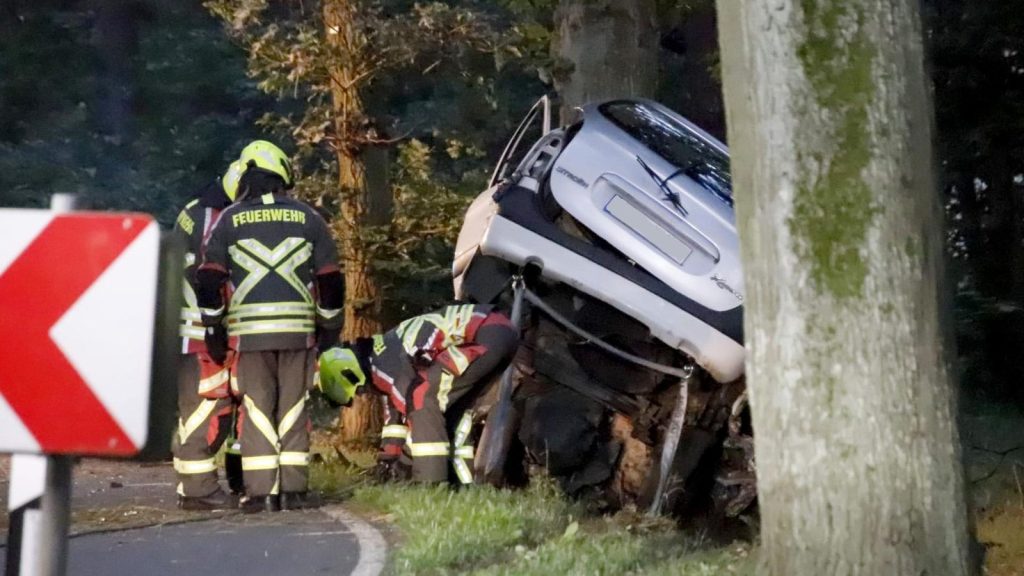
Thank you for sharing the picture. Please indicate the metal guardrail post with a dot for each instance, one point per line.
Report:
(25, 493)
(55, 521)
(56, 517)
(670, 445)
(498, 429)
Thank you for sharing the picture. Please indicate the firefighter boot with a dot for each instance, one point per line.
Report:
(299, 501)
(257, 504)
(217, 500)
(233, 471)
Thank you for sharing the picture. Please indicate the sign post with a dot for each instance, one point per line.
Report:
(25, 496)
(78, 292)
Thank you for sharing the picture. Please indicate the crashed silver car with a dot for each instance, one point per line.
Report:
(622, 226)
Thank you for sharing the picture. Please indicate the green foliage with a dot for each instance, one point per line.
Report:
(441, 90)
(338, 470)
(445, 530)
(533, 28)
(617, 551)
(39, 103)
(190, 102)
(293, 60)
(482, 530)
(415, 262)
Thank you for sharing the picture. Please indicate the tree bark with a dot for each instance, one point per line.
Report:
(604, 49)
(362, 294)
(829, 121)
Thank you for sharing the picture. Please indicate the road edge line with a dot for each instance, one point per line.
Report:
(372, 546)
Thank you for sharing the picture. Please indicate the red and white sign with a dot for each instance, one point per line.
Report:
(77, 312)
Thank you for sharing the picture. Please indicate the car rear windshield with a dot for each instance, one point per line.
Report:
(676, 143)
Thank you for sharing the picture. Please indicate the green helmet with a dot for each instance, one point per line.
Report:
(340, 375)
(231, 177)
(266, 156)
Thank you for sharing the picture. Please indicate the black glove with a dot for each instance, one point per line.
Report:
(382, 471)
(423, 359)
(326, 338)
(216, 338)
(331, 403)
(392, 470)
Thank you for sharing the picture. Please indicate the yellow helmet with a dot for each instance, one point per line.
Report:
(231, 177)
(340, 375)
(266, 156)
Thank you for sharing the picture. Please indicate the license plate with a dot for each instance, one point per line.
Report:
(656, 234)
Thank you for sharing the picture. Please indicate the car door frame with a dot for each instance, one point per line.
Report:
(541, 109)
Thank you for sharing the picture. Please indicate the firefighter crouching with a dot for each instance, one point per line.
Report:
(427, 368)
(207, 408)
(280, 263)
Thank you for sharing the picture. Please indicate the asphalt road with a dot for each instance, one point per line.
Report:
(288, 543)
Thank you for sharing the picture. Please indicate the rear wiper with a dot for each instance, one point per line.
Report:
(671, 196)
(707, 180)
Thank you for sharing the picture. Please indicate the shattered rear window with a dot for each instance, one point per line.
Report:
(675, 142)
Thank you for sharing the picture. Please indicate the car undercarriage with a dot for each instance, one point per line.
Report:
(618, 231)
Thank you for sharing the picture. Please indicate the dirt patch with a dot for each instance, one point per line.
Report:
(119, 494)
(1002, 533)
(637, 458)
(114, 495)
(994, 445)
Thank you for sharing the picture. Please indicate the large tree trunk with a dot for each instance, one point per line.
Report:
(858, 455)
(604, 49)
(362, 296)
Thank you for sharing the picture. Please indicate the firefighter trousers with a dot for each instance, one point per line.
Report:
(275, 434)
(430, 420)
(203, 425)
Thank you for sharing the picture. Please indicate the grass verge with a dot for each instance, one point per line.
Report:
(485, 531)
(337, 469)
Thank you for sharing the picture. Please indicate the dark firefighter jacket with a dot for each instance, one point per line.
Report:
(193, 225)
(282, 267)
(446, 336)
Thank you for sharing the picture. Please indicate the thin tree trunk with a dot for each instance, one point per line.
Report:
(116, 36)
(829, 121)
(9, 13)
(604, 49)
(696, 90)
(362, 297)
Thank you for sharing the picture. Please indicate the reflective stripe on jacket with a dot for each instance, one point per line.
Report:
(194, 223)
(445, 336)
(272, 248)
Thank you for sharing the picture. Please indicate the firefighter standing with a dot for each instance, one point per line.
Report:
(279, 260)
(205, 405)
(424, 367)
